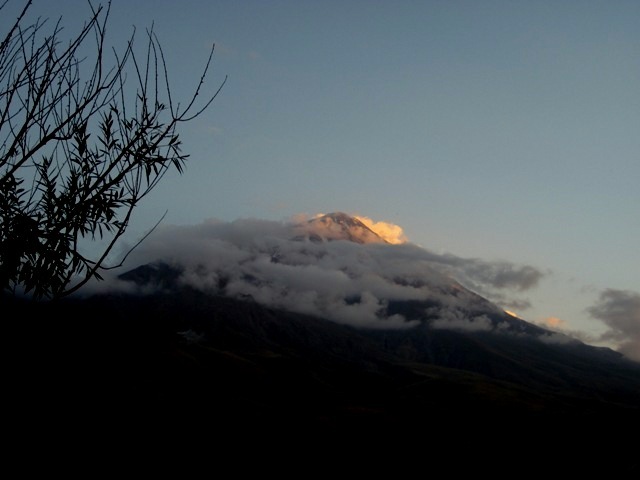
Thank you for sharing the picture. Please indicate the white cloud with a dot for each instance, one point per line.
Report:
(387, 231)
(340, 280)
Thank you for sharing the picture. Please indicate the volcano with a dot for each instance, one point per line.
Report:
(338, 226)
(316, 331)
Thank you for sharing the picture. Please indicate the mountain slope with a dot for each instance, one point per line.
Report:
(184, 363)
(515, 351)
(436, 368)
(188, 329)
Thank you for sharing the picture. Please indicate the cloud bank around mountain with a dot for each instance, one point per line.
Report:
(343, 281)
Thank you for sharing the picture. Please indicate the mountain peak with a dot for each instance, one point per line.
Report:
(338, 226)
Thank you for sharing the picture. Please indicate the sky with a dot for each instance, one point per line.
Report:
(495, 132)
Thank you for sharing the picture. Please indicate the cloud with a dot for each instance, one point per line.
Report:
(453, 319)
(553, 323)
(460, 321)
(343, 281)
(556, 338)
(560, 331)
(620, 311)
(500, 281)
(387, 231)
(497, 274)
(509, 302)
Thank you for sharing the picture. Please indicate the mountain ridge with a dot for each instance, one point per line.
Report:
(338, 226)
(423, 343)
(172, 356)
(175, 364)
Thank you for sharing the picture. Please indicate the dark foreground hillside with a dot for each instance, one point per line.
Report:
(185, 366)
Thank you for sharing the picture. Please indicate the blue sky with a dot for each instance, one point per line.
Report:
(498, 130)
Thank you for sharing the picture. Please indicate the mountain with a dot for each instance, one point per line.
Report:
(437, 370)
(339, 226)
(501, 347)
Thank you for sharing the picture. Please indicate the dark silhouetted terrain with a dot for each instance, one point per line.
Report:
(186, 362)
(234, 377)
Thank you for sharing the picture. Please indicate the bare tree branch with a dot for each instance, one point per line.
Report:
(77, 157)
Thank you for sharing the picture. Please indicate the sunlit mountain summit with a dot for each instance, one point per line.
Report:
(359, 229)
(338, 226)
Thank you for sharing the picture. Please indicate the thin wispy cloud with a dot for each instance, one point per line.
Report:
(500, 281)
(561, 331)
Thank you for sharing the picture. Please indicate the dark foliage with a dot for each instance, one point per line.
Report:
(82, 141)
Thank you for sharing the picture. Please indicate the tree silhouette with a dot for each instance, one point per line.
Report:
(83, 140)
